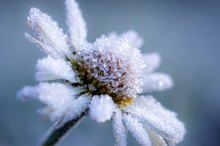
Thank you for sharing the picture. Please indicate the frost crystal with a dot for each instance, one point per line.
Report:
(101, 108)
(104, 78)
(54, 69)
(47, 34)
(137, 130)
(114, 65)
(76, 24)
(77, 106)
(152, 62)
(119, 129)
(56, 96)
(157, 82)
(152, 114)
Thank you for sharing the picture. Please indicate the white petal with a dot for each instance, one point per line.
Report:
(47, 34)
(28, 92)
(101, 108)
(156, 140)
(54, 69)
(119, 131)
(45, 48)
(152, 61)
(76, 23)
(56, 96)
(156, 117)
(137, 129)
(157, 82)
(113, 35)
(133, 39)
(149, 103)
(76, 107)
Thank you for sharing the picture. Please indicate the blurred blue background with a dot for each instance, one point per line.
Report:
(185, 33)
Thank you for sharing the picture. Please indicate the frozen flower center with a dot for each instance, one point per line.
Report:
(102, 77)
(110, 66)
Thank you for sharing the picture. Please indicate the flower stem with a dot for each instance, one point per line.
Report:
(55, 134)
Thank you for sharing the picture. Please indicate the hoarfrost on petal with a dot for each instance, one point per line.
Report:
(119, 131)
(137, 129)
(47, 34)
(156, 140)
(101, 108)
(28, 92)
(76, 23)
(133, 38)
(152, 61)
(157, 82)
(156, 117)
(56, 96)
(47, 49)
(76, 107)
(54, 69)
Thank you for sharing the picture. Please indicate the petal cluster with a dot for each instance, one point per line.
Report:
(104, 78)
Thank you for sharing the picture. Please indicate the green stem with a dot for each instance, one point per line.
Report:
(56, 134)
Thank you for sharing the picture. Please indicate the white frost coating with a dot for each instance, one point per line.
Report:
(157, 82)
(149, 103)
(56, 96)
(39, 44)
(119, 131)
(133, 39)
(47, 34)
(76, 107)
(115, 64)
(76, 23)
(152, 61)
(156, 140)
(137, 130)
(27, 92)
(156, 117)
(101, 108)
(111, 65)
(54, 69)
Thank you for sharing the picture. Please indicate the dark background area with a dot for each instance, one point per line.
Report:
(185, 33)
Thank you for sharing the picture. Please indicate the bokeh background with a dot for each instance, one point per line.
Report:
(185, 33)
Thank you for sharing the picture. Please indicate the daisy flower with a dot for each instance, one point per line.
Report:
(103, 79)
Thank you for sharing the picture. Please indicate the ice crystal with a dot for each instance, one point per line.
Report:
(49, 94)
(54, 69)
(119, 129)
(104, 77)
(115, 65)
(75, 23)
(101, 108)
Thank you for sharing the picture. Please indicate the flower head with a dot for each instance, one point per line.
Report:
(112, 66)
(104, 77)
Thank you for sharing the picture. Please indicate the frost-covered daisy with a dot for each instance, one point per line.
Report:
(103, 79)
